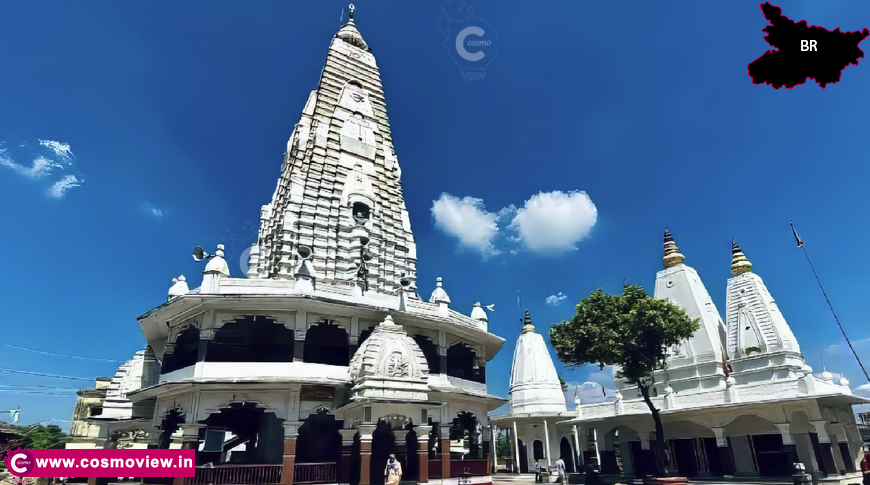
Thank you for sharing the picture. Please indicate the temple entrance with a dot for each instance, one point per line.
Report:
(318, 448)
(685, 456)
(326, 343)
(538, 450)
(242, 433)
(524, 456)
(185, 352)
(567, 455)
(411, 467)
(383, 441)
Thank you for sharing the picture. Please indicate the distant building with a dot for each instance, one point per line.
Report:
(105, 418)
(737, 399)
(324, 360)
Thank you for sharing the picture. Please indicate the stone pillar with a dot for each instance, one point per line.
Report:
(206, 335)
(353, 344)
(422, 452)
(578, 451)
(344, 465)
(298, 346)
(516, 447)
(788, 446)
(445, 452)
(365, 452)
(442, 357)
(724, 453)
(189, 441)
(291, 432)
(547, 444)
(494, 443)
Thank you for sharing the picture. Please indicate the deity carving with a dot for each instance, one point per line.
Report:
(397, 366)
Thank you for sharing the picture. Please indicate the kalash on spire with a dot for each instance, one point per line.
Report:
(327, 330)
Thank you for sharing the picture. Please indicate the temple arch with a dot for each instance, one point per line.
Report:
(251, 339)
(184, 353)
(326, 343)
(567, 454)
(430, 351)
(538, 450)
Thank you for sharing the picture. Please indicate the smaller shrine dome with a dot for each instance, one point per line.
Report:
(439, 295)
(389, 365)
(350, 34)
(478, 313)
(179, 287)
(217, 264)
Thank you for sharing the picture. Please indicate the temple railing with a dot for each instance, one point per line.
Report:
(238, 474)
(314, 473)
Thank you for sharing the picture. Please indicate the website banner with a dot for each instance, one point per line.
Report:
(101, 463)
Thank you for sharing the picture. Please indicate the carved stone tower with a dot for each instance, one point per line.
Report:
(338, 216)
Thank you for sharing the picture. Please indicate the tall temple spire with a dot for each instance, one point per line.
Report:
(535, 386)
(338, 211)
(672, 252)
(739, 263)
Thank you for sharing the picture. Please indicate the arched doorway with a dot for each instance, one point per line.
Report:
(383, 441)
(185, 352)
(757, 447)
(242, 433)
(567, 454)
(251, 339)
(319, 442)
(326, 343)
(430, 351)
(538, 450)
(524, 456)
(464, 428)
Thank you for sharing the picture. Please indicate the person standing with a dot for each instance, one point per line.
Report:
(538, 478)
(393, 472)
(561, 470)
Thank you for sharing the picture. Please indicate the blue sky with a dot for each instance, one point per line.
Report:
(176, 116)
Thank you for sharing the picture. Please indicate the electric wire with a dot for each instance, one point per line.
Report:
(40, 374)
(51, 354)
(802, 246)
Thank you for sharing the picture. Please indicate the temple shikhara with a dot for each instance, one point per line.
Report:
(324, 360)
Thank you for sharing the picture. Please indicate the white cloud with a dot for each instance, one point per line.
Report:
(603, 377)
(467, 220)
(40, 168)
(153, 211)
(60, 148)
(556, 299)
(59, 189)
(553, 222)
(863, 390)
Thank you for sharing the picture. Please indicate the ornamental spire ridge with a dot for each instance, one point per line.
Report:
(672, 252)
(739, 263)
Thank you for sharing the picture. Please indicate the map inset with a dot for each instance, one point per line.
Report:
(803, 51)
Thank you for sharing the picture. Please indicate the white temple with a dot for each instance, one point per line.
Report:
(537, 403)
(736, 400)
(324, 360)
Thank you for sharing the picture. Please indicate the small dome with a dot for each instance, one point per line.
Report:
(350, 34)
(179, 287)
(739, 263)
(828, 376)
(478, 313)
(439, 295)
(217, 264)
(844, 381)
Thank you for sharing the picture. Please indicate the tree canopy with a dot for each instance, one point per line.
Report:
(633, 331)
(41, 437)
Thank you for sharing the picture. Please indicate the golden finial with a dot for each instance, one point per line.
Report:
(528, 326)
(739, 263)
(672, 252)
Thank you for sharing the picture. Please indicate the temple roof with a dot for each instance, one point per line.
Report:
(535, 386)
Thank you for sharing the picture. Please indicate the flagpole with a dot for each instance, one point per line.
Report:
(801, 245)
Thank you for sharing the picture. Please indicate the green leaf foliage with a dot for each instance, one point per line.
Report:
(41, 437)
(632, 330)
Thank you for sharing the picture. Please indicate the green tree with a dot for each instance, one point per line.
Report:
(41, 437)
(633, 331)
(503, 446)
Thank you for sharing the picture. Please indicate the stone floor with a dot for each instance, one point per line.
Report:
(511, 479)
